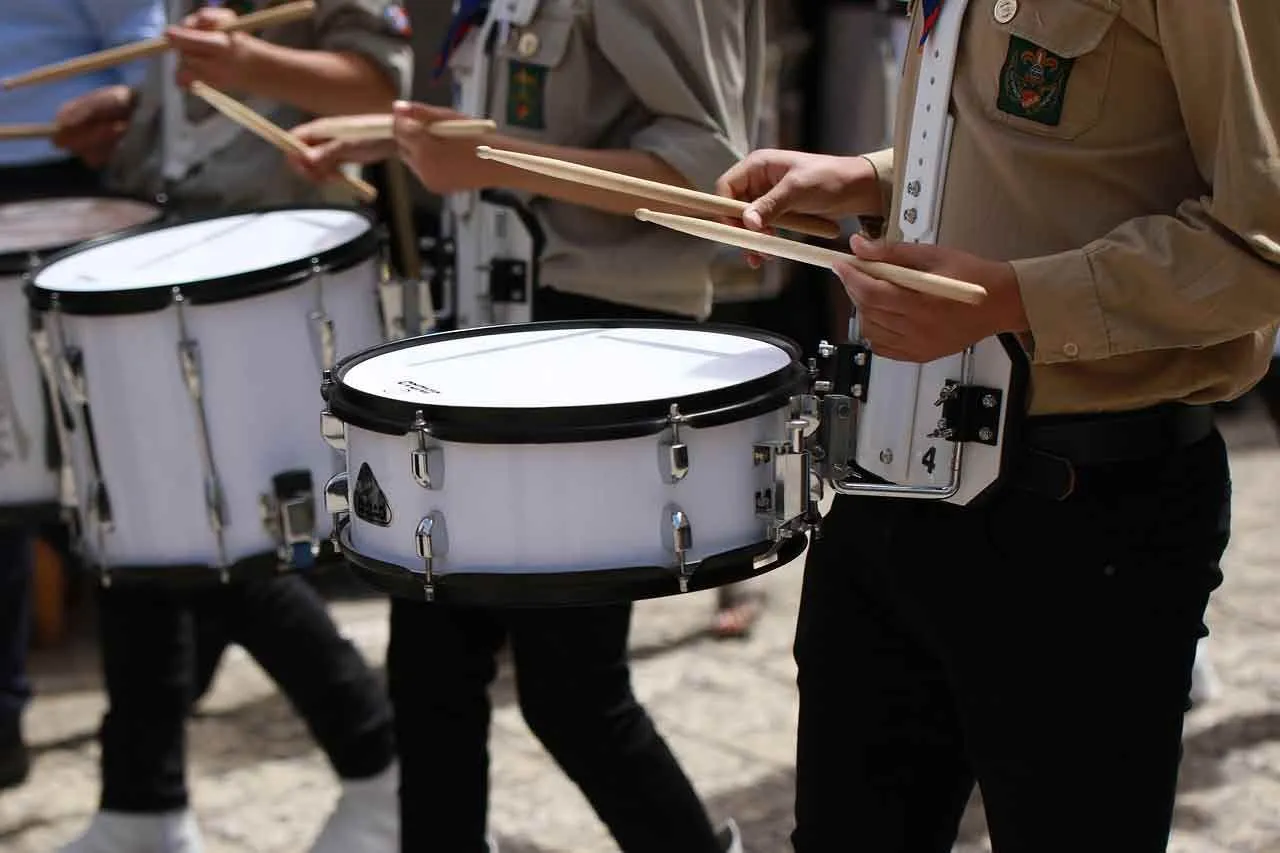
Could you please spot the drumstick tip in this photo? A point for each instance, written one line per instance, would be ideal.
(644, 214)
(484, 152)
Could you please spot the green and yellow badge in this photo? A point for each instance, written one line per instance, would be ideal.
(526, 93)
(1033, 82)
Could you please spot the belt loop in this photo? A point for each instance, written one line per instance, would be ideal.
(1046, 474)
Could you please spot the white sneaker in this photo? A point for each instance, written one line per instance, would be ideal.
(730, 837)
(116, 832)
(366, 818)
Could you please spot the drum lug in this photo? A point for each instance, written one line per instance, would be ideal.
(673, 454)
(427, 458)
(289, 515)
(969, 413)
(432, 541)
(325, 338)
(336, 495)
(677, 538)
(789, 493)
(333, 431)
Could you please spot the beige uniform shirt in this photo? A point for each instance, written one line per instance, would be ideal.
(1123, 155)
(680, 79)
(224, 166)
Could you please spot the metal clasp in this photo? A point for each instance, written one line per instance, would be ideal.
(427, 458)
(677, 537)
(673, 454)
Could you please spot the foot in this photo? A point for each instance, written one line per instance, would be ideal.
(730, 837)
(736, 613)
(366, 818)
(15, 761)
(115, 832)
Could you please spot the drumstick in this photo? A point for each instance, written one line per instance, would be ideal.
(277, 136)
(704, 203)
(918, 280)
(140, 50)
(369, 128)
(27, 131)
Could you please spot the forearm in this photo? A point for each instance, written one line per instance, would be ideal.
(318, 82)
(627, 161)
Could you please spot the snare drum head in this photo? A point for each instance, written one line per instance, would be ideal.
(557, 381)
(211, 260)
(41, 227)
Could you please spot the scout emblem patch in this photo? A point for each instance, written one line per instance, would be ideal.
(1033, 82)
(526, 88)
(398, 20)
(931, 9)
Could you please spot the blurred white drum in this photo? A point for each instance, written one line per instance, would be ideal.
(33, 481)
(189, 351)
(568, 463)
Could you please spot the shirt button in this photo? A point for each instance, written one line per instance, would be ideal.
(1005, 10)
(1070, 350)
(527, 46)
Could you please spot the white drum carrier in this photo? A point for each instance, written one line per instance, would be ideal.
(36, 480)
(571, 462)
(188, 351)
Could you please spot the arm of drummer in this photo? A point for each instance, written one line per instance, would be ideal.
(684, 63)
(775, 182)
(361, 60)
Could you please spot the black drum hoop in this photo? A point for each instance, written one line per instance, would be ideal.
(185, 576)
(26, 261)
(212, 291)
(30, 514)
(562, 424)
(568, 589)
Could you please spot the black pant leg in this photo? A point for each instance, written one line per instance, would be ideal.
(147, 660)
(575, 693)
(440, 662)
(15, 622)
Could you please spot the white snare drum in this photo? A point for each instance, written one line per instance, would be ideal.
(568, 463)
(33, 480)
(189, 350)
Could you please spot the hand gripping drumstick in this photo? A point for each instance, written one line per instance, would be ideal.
(151, 47)
(277, 136)
(371, 128)
(704, 203)
(27, 131)
(918, 280)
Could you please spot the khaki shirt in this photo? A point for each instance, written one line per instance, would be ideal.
(680, 79)
(235, 168)
(1136, 189)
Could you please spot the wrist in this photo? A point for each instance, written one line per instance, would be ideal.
(1012, 314)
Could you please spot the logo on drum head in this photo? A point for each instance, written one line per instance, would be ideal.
(369, 502)
(410, 385)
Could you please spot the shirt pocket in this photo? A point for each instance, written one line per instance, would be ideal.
(534, 91)
(1047, 70)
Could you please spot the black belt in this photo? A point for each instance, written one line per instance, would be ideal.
(1054, 447)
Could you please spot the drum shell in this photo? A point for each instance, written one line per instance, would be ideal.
(563, 507)
(27, 483)
(260, 366)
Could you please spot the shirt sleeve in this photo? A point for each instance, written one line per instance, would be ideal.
(693, 64)
(378, 30)
(1210, 271)
(882, 162)
(119, 22)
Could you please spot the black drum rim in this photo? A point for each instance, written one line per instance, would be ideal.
(26, 261)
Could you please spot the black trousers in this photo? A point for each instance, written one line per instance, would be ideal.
(1041, 648)
(159, 650)
(575, 693)
(59, 177)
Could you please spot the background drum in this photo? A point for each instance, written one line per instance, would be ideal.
(31, 231)
(568, 463)
(189, 351)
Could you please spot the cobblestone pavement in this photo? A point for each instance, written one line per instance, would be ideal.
(728, 709)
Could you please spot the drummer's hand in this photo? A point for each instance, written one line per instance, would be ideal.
(915, 327)
(92, 125)
(325, 155)
(442, 165)
(216, 58)
(774, 182)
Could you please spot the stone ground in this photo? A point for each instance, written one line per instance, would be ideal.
(728, 709)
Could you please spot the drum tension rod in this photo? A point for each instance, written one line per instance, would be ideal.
(432, 543)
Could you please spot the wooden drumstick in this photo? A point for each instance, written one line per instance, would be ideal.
(142, 49)
(700, 202)
(767, 244)
(272, 133)
(27, 131)
(370, 128)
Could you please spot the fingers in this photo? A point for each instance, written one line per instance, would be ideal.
(209, 18)
(914, 255)
(110, 103)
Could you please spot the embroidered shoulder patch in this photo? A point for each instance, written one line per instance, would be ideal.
(526, 92)
(1033, 82)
